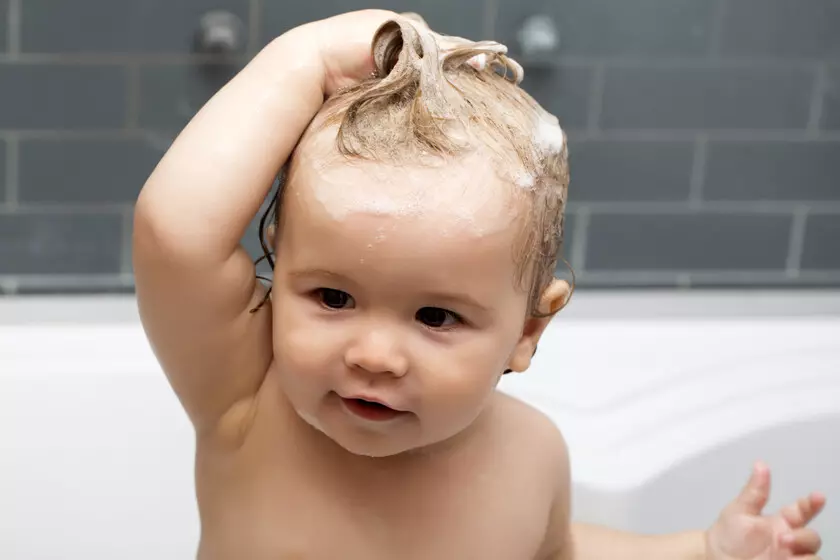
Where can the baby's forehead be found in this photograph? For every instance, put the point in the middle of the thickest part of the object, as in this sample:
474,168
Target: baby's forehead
464,193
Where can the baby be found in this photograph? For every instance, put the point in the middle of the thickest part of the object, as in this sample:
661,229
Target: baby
351,411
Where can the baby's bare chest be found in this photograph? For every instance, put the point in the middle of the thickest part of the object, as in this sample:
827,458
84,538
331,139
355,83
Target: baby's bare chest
282,510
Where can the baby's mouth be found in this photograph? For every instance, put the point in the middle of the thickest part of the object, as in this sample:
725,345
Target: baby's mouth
370,410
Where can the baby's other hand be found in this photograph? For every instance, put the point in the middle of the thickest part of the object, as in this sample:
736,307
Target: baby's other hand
743,533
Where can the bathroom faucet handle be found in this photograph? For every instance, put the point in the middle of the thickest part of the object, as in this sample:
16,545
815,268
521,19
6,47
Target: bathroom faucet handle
538,37
220,33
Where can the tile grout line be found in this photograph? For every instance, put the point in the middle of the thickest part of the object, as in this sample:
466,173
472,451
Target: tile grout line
117,59
13,29
126,265
89,134
698,171
80,280
716,33
596,98
674,273
12,178
577,255
254,19
796,244
717,135
614,276
817,100
750,207
64,209
491,12
132,96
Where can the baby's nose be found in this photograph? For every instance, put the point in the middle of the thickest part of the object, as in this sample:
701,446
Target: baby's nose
377,351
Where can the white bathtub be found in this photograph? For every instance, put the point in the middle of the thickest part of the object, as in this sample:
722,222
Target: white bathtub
665,400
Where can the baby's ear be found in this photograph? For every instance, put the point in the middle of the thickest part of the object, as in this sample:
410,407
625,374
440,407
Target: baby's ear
553,299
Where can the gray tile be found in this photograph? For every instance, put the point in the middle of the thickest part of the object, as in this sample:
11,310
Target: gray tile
707,98
60,97
84,170
636,282
831,100
565,252
773,171
630,171
570,221
464,18
688,241
781,28
251,239
4,24
562,91
159,26
615,27
171,94
822,243
59,243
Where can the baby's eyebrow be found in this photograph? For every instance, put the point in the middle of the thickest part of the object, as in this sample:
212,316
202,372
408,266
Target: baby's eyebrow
317,272
457,298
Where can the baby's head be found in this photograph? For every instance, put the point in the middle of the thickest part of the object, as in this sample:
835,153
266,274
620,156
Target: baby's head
417,235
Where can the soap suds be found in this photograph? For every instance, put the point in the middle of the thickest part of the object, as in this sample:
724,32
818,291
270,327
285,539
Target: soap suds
460,196
524,180
380,234
479,61
548,136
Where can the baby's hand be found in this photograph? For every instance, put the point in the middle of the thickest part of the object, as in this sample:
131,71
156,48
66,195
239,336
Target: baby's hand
344,45
743,533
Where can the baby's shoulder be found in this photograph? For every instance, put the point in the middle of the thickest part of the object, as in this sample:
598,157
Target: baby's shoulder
530,432
543,455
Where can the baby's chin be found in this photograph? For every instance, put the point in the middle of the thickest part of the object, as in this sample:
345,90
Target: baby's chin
378,448
373,446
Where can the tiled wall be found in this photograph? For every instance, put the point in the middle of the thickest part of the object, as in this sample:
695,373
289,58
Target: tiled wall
705,134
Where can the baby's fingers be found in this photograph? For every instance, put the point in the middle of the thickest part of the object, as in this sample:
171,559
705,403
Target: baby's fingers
802,542
804,510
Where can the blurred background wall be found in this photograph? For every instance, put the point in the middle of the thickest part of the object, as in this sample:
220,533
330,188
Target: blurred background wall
704,134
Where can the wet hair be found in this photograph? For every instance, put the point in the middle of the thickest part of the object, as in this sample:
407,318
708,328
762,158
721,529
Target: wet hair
433,98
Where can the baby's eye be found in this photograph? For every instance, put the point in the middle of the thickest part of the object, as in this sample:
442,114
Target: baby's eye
437,318
334,299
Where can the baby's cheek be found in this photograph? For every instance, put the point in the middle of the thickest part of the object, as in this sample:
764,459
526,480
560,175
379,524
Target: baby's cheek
461,385
301,348
300,342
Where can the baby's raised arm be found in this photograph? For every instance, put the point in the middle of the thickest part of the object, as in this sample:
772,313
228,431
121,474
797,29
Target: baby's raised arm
195,284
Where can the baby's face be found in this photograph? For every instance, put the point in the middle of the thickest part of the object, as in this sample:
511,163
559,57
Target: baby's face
398,286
